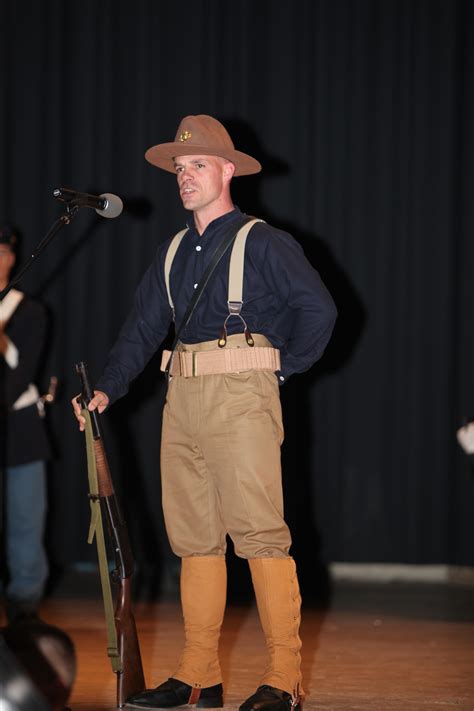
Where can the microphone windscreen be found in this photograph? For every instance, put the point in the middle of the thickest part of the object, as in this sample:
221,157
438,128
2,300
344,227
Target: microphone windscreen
114,205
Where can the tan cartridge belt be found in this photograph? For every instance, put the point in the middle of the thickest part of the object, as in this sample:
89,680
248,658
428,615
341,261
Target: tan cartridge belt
225,360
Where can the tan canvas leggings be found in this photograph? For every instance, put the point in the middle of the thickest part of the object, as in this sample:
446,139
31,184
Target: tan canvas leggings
220,462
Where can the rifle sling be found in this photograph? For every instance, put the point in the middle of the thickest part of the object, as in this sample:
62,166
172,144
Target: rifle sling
96,527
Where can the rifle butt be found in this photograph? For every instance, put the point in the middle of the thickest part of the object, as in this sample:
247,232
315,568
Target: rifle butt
131,679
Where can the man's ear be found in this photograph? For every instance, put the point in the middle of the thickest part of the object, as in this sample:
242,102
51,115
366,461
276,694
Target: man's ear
229,170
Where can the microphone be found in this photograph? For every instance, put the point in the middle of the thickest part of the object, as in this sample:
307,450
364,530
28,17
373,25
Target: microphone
106,205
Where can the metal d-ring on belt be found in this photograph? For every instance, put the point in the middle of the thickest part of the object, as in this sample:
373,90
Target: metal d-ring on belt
220,360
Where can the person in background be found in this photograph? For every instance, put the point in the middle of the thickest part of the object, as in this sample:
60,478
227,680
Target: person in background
24,446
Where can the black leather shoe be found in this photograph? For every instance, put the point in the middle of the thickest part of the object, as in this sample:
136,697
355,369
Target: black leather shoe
176,693
268,698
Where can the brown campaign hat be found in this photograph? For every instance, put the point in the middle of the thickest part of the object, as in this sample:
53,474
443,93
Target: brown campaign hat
201,135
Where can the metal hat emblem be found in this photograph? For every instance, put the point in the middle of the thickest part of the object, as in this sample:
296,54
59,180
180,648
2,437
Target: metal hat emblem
185,136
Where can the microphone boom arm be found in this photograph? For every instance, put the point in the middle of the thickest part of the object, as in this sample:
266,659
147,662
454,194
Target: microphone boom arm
65,219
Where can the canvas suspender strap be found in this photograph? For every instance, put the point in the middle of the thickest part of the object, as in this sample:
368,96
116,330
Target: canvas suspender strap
236,267
96,528
170,255
236,283
224,245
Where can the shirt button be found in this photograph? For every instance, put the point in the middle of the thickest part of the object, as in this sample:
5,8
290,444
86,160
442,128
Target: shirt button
282,378
195,286
198,248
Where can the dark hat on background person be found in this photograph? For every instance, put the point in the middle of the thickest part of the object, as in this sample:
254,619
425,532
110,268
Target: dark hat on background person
9,236
201,135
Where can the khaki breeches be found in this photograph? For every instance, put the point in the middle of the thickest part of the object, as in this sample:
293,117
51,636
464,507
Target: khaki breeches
220,462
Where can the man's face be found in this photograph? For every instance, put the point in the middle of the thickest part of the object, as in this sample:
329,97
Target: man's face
202,180
7,260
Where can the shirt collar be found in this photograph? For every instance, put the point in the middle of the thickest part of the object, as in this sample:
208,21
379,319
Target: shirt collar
225,219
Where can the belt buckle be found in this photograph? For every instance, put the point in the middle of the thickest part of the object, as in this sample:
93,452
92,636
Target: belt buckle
182,364
185,365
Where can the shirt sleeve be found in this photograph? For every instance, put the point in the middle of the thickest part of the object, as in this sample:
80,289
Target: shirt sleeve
141,335
310,312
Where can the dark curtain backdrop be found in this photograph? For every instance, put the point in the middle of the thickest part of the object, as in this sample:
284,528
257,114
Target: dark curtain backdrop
362,114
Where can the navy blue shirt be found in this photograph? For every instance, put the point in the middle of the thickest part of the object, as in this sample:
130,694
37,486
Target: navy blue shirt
284,300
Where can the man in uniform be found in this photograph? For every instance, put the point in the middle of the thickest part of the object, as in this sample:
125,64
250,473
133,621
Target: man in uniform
24,446
222,425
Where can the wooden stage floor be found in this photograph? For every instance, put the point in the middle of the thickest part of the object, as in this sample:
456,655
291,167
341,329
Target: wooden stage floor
392,646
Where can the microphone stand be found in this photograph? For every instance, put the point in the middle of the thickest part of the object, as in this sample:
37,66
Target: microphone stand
64,220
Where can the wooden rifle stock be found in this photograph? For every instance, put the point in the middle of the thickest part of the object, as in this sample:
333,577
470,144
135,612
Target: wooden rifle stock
130,678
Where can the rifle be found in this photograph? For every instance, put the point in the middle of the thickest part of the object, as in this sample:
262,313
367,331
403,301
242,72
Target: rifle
129,669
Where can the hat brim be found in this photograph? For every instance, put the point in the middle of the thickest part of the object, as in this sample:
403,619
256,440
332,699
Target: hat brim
163,154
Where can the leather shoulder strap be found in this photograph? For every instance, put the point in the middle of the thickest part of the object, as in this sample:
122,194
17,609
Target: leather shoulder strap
170,255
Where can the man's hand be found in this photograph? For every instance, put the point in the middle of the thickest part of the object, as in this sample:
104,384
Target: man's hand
465,437
99,402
